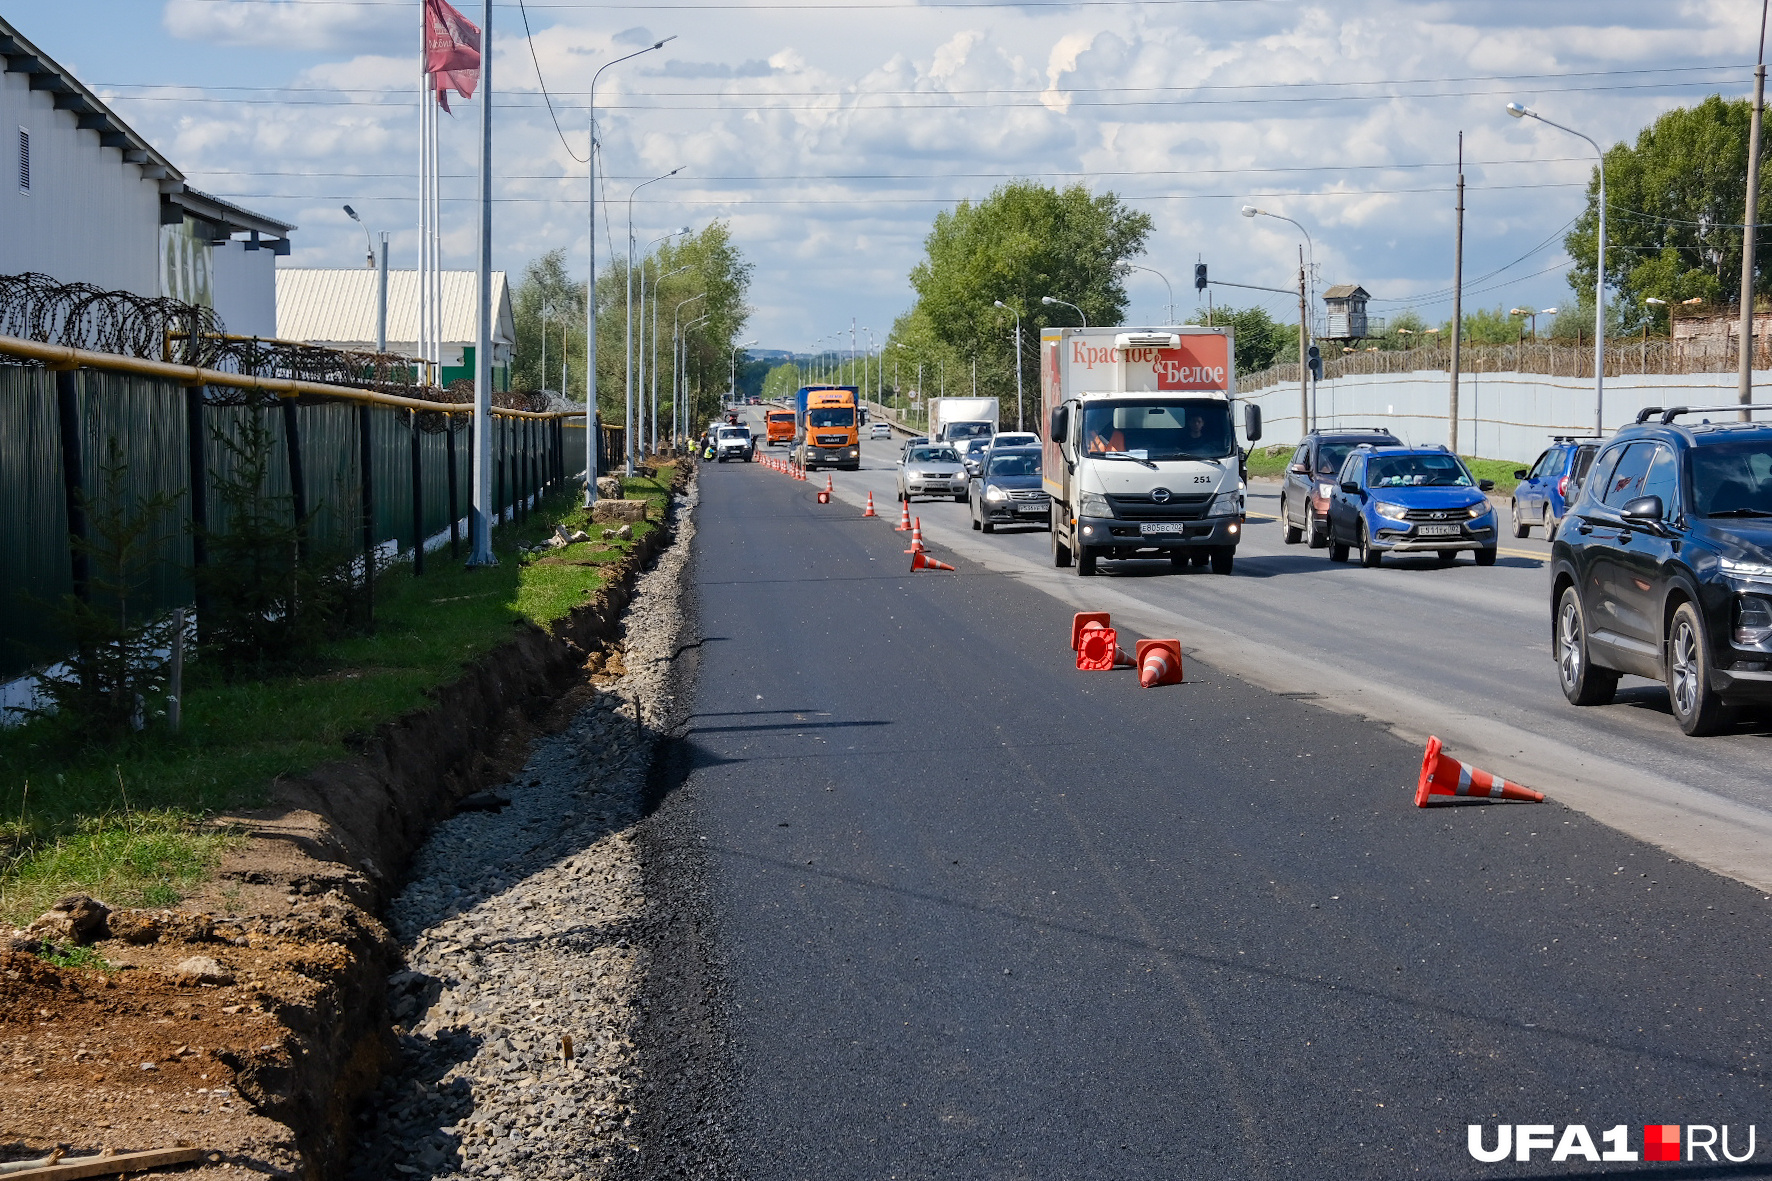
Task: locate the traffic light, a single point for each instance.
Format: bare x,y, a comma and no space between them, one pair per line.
1314,359
1199,276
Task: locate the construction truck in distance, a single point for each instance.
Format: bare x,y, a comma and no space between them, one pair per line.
779,427
827,432
957,420
1141,456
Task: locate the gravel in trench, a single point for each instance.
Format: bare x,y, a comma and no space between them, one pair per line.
519,1002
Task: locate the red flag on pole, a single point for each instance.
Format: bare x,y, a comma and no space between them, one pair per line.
452,51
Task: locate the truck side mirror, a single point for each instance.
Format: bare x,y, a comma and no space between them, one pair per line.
1056,428
1251,421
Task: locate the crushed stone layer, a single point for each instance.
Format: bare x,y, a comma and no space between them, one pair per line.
519,1000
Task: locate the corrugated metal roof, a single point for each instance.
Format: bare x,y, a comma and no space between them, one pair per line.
1347,291
337,306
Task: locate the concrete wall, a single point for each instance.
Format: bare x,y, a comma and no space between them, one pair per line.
1501,415
88,217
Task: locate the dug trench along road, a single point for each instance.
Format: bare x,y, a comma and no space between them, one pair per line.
982,915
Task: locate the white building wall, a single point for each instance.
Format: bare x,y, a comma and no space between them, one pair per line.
244,286
1500,415
88,217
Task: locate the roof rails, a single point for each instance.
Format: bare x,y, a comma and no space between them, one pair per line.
1674,412
1583,438
1348,430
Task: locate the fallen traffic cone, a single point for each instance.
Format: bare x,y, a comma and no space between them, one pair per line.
917,545
824,497
1083,619
904,517
1159,662
869,511
1099,649
922,561
1442,775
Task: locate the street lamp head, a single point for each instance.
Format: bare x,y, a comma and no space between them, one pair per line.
661,44
1518,110
1250,211
1000,304
1519,311
352,214
1047,300
1549,311
1660,303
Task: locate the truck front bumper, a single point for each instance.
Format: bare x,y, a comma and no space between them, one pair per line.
841,457
1116,538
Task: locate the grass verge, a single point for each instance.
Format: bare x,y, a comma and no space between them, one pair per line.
131,822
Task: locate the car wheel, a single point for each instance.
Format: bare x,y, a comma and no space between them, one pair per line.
1447,555
1319,531
1521,529
1369,557
1486,556
1550,526
1698,708
972,514
1199,558
1294,534
988,527
1085,561
1337,551
1584,683
1223,559
1061,553
959,498
1180,561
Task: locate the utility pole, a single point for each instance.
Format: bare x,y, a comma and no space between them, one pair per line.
1304,373
1745,366
480,522
1457,300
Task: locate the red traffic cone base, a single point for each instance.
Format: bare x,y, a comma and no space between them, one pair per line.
1083,619
1443,775
1098,649
922,561
1159,662
824,497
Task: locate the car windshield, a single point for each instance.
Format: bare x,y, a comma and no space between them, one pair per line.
831,416
1733,479
1192,429
1331,454
1014,464
1433,470
969,430
931,455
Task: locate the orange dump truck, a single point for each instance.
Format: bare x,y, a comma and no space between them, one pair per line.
826,427
781,427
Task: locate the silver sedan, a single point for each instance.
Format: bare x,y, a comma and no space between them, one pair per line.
931,471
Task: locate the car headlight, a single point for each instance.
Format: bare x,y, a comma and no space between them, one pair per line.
1094,504
1481,509
1753,620
1389,510
1745,569
1226,504
995,494
1325,490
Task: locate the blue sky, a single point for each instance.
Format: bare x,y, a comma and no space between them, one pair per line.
830,133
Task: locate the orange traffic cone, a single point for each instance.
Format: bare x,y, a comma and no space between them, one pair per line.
917,545
904,517
829,490
1159,662
922,561
1083,619
869,511
1099,649
1442,775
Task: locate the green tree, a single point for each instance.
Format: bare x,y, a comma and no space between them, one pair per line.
1675,202
1486,326
1024,241
547,285
1257,336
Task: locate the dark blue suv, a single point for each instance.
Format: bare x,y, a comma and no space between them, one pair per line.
1410,500
1663,567
1546,489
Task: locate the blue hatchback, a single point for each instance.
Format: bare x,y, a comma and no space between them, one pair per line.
1410,500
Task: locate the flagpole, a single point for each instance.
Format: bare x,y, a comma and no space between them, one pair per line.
481,553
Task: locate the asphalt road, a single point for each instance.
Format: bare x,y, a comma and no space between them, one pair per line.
977,914
1458,651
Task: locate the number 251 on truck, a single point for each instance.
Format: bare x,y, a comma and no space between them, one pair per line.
1141,457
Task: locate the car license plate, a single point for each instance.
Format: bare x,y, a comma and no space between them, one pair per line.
1440,530
1030,508
1149,527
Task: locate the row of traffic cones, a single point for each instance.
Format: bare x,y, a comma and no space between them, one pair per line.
1097,645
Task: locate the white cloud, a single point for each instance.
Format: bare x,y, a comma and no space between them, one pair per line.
287,24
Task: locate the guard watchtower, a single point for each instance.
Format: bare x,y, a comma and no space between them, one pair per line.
1346,305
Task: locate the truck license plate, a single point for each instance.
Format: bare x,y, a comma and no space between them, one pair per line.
1149,527
1440,530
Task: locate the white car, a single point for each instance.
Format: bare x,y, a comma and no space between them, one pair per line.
733,442
879,431
931,470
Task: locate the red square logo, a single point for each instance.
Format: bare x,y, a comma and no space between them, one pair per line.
1661,1141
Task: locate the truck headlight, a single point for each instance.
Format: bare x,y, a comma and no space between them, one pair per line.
1094,504
1226,504
1753,620
1390,511
856,454
995,494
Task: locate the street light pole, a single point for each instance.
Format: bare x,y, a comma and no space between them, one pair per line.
1519,111
655,286
480,522
1017,315
732,382
628,422
1744,376
591,283
1304,399
677,364
1048,300
1132,266
688,410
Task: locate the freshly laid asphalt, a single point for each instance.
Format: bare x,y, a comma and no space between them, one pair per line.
976,914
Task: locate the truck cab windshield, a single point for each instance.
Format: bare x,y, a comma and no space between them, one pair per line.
828,416
968,430
1193,429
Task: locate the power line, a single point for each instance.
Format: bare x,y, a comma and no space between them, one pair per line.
530,39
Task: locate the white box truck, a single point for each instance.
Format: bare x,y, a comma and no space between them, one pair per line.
957,420
1141,455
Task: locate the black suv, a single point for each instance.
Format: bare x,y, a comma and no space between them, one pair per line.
1311,476
1663,567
